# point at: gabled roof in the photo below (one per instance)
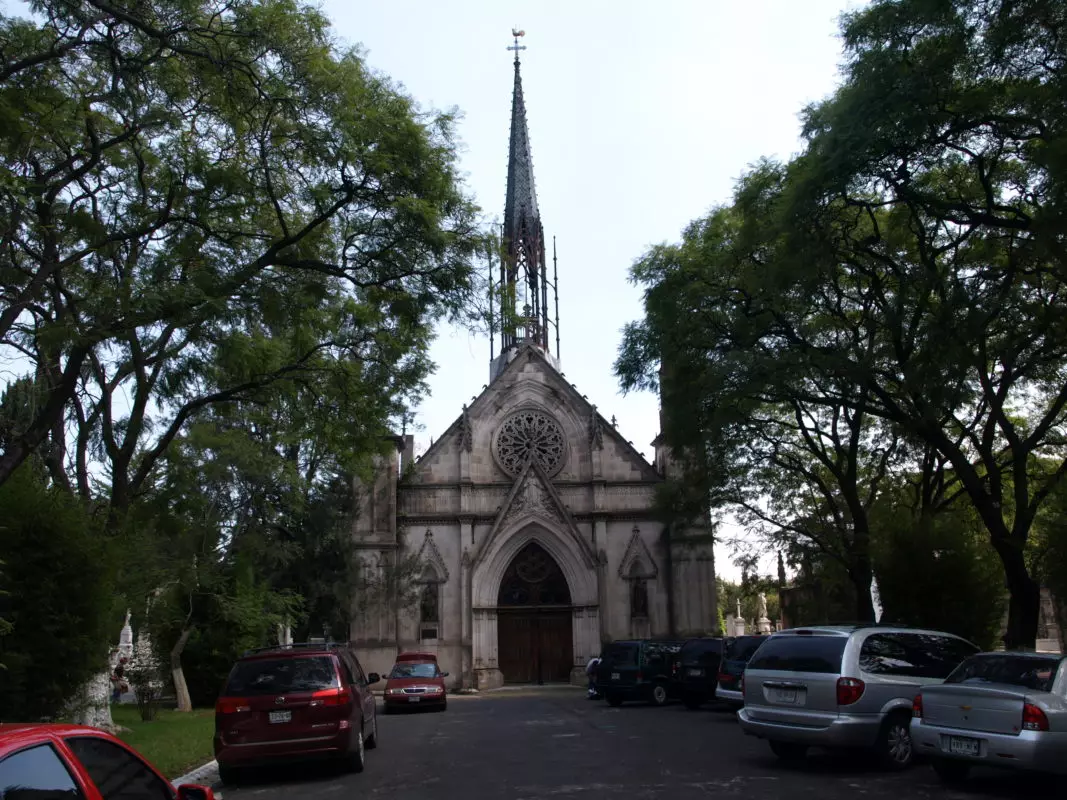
(531, 496)
(588, 410)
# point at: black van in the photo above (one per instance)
(698, 671)
(638, 669)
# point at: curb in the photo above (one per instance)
(204, 775)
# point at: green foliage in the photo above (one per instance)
(223, 201)
(57, 579)
(940, 572)
(174, 743)
(905, 271)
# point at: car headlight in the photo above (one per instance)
(395, 691)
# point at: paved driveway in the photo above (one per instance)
(553, 743)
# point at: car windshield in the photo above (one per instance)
(414, 670)
(706, 653)
(1028, 672)
(281, 675)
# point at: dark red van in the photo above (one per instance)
(295, 702)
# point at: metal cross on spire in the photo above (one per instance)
(517, 47)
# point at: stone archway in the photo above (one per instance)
(534, 610)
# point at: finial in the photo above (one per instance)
(517, 47)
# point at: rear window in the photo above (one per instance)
(621, 655)
(800, 654)
(742, 649)
(701, 652)
(281, 675)
(411, 669)
(916, 655)
(1028, 672)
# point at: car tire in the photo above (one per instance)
(357, 759)
(660, 695)
(230, 776)
(614, 700)
(950, 771)
(372, 741)
(788, 751)
(895, 748)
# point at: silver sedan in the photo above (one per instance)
(998, 710)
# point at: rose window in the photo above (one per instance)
(530, 434)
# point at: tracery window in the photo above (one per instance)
(534, 579)
(530, 433)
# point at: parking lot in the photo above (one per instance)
(552, 742)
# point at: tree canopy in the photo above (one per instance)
(908, 267)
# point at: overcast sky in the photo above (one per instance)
(642, 116)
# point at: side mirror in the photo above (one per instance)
(190, 791)
(444, 674)
(373, 677)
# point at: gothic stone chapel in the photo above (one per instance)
(531, 515)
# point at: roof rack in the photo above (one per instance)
(296, 646)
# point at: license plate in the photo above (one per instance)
(414, 699)
(281, 716)
(962, 746)
(787, 696)
(614, 676)
(695, 673)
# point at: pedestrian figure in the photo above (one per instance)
(590, 673)
(118, 680)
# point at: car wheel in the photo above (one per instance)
(895, 749)
(614, 700)
(659, 695)
(231, 776)
(692, 702)
(788, 751)
(372, 740)
(950, 771)
(357, 759)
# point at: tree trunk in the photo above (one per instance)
(1024, 604)
(181, 689)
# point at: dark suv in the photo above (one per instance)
(736, 653)
(639, 669)
(698, 671)
(295, 702)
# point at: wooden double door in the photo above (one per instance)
(534, 645)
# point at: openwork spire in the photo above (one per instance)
(524, 285)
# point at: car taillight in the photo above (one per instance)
(917, 707)
(1034, 718)
(232, 705)
(331, 697)
(849, 690)
(639, 676)
(725, 677)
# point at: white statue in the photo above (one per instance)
(762, 605)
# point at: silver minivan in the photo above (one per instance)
(844, 686)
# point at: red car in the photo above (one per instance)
(38, 760)
(415, 682)
(304, 701)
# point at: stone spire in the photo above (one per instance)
(524, 285)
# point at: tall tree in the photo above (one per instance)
(174, 174)
(915, 252)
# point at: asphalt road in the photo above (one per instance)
(553, 743)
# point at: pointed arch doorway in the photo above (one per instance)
(534, 629)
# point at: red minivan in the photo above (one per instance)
(295, 702)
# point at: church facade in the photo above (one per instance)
(530, 522)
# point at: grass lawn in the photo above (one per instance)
(174, 742)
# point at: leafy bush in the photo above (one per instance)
(57, 597)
